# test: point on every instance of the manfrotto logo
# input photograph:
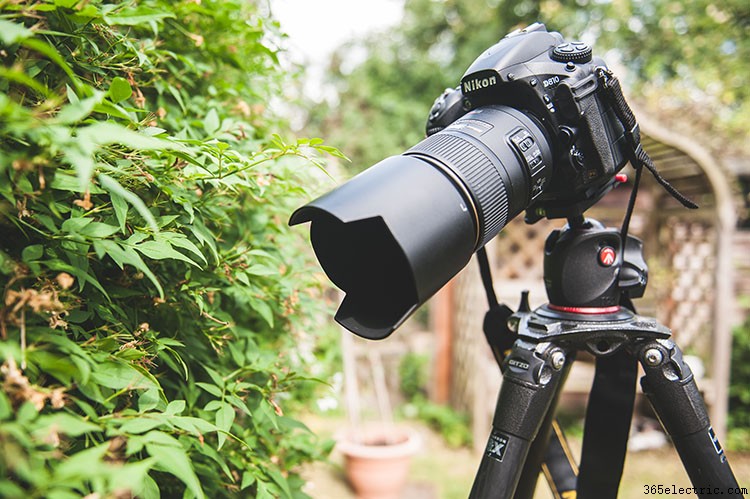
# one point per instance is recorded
(479, 83)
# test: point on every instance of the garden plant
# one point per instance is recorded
(153, 301)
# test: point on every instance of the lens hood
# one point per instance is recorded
(390, 238)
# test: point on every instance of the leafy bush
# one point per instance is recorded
(413, 376)
(150, 287)
(739, 390)
(452, 425)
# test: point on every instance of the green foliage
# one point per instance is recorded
(413, 378)
(683, 55)
(150, 307)
(739, 390)
(452, 425)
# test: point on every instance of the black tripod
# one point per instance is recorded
(590, 275)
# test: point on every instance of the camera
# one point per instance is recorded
(527, 129)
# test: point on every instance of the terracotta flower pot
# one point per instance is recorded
(377, 460)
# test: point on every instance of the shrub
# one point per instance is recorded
(739, 389)
(151, 296)
(413, 377)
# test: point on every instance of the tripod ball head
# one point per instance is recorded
(585, 267)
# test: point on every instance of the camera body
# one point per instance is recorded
(555, 82)
(528, 129)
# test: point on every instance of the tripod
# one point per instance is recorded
(590, 275)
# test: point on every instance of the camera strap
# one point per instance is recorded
(610, 407)
(612, 91)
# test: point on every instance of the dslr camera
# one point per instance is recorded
(528, 129)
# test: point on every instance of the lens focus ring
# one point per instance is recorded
(479, 174)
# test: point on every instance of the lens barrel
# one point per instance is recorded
(395, 234)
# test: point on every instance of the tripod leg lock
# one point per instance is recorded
(671, 389)
(531, 373)
(670, 386)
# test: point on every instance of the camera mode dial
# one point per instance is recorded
(572, 52)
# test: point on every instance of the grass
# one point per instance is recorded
(442, 472)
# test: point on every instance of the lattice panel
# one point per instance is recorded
(469, 315)
(519, 250)
(688, 304)
(516, 259)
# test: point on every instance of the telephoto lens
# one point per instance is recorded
(395, 234)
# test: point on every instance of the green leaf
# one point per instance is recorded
(105, 132)
(65, 182)
(211, 122)
(123, 255)
(5, 407)
(212, 389)
(180, 241)
(213, 405)
(176, 94)
(91, 137)
(52, 54)
(193, 425)
(215, 377)
(147, 489)
(75, 224)
(98, 229)
(116, 375)
(247, 480)
(63, 422)
(205, 237)
(115, 188)
(224, 419)
(83, 464)
(136, 17)
(173, 459)
(149, 400)
(7, 264)
(32, 253)
(175, 407)
(11, 32)
(162, 250)
(282, 482)
(263, 309)
(119, 90)
(141, 424)
(78, 110)
(262, 491)
(131, 476)
(120, 207)
(262, 270)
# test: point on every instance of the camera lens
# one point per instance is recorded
(395, 234)
(498, 157)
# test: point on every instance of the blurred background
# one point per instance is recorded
(368, 74)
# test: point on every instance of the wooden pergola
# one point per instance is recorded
(691, 287)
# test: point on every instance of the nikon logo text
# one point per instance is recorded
(479, 83)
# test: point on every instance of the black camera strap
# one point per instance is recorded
(612, 91)
(610, 407)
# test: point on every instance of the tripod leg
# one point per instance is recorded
(531, 377)
(672, 391)
(539, 452)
